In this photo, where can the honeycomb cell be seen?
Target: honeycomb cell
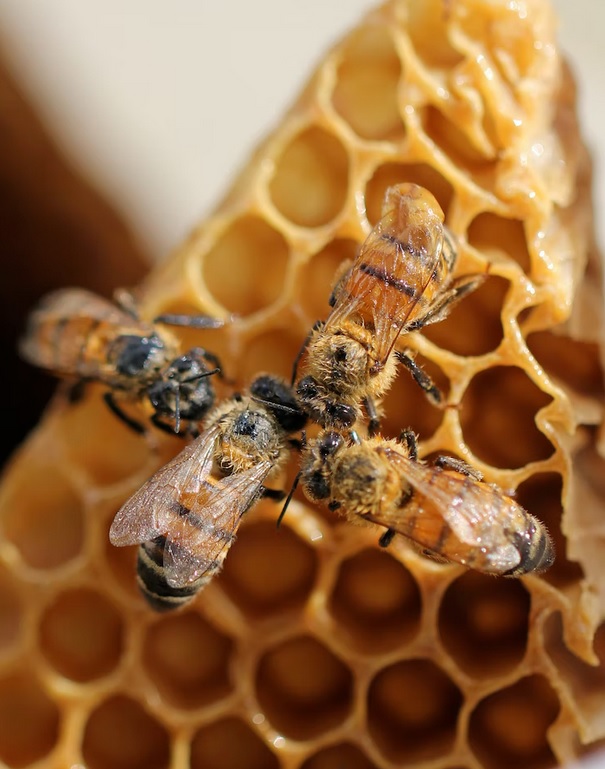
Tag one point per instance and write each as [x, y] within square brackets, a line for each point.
[338, 756]
[46, 522]
[412, 711]
[365, 94]
[228, 744]
[122, 565]
[427, 28]
[483, 624]
[573, 362]
[497, 237]
[11, 610]
[502, 403]
[541, 496]
[120, 734]
[509, 728]
[246, 267]
[317, 280]
[315, 161]
[376, 601]
[188, 660]
[273, 351]
[453, 141]
[394, 173]
[474, 326]
[269, 570]
[81, 635]
[303, 689]
[29, 721]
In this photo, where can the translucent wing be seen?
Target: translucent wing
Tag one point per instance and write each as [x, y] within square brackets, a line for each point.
[151, 510]
[385, 286]
[199, 539]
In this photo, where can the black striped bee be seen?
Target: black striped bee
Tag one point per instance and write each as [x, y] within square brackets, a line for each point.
[185, 518]
[446, 510]
[401, 280]
[75, 333]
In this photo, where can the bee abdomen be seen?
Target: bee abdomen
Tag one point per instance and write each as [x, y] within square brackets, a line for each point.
[535, 548]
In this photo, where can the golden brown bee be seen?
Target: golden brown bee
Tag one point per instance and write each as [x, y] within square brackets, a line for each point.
[186, 517]
[75, 333]
[401, 280]
[446, 510]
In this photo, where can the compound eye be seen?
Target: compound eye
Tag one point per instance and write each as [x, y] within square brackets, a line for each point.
[307, 388]
[330, 443]
[342, 415]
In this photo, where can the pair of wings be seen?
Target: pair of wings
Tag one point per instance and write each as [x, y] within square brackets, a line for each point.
[477, 513]
[197, 513]
[408, 253]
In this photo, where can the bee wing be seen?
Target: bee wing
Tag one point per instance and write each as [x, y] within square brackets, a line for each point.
[389, 276]
[151, 510]
[198, 540]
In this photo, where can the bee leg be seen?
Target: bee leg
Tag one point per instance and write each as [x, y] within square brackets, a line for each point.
[371, 411]
[458, 465]
[317, 325]
[386, 539]
[189, 321]
[408, 438]
[422, 379]
[462, 286]
[115, 408]
[74, 391]
[277, 495]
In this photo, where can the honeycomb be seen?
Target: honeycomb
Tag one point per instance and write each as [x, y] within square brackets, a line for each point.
[315, 649]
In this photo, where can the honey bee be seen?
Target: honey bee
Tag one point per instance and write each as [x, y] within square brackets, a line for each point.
[446, 510]
[185, 518]
[401, 280]
[75, 333]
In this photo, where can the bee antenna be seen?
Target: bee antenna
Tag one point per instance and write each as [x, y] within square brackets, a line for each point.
[275, 404]
[177, 410]
[200, 375]
[288, 498]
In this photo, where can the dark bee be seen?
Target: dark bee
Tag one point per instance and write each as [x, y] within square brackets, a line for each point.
[75, 333]
[186, 517]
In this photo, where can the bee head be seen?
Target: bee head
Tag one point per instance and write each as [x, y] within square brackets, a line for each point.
[137, 355]
[279, 398]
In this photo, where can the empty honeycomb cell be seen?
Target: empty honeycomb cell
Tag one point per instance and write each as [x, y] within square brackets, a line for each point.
[188, 660]
[509, 728]
[337, 757]
[541, 496]
[365, 94]
[453, 141]
[428, 31]
[474, 326]
[11, 610]
[269, 570]
[317, 280]
[303, 689]
[246, 268]
[412, 711]
[314, 161]
[375, 601]
[45, 524]
[483, 624]
[273, 351]
[394, 173]
[503, 401]
[573, 362]
[81, 635]
[29, 721]
[230, 744]
[120, 734]
[500, 238]
[406, 405]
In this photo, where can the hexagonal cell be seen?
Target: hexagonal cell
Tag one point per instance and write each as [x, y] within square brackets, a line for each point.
[120, 734]
[375, 601]
[318, 276]
[273, 351]
[483, 624]
[394, 173]
[474, 327]
[412, 711]
[338, 756]
[541, 496]
[509, 728]
[498, 414]
[29, 721]
[230, 743]
[46, 524]
[571, 361]
[426, 26]
[269, 571]
[311, 178]
[498, 237]
[188, 660]
[455, 143]
[365, 94]
[246, 268]
[11, 610]
[303, 689]
[121, 564]
[81, 634]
